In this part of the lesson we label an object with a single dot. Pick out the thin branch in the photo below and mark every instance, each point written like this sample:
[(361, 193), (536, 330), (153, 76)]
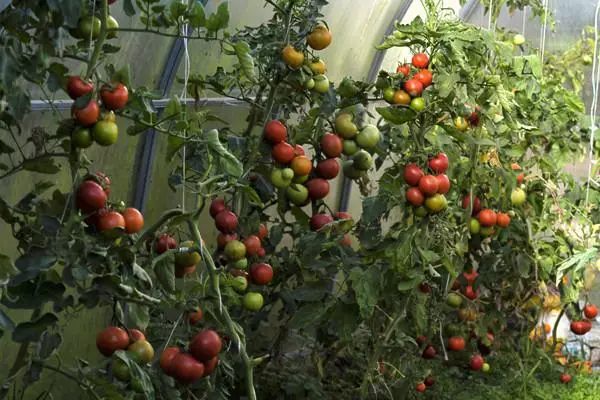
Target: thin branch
[(157, 32)]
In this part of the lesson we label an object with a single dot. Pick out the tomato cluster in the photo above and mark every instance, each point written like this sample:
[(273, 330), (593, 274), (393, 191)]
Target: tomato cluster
[(583, 326), (411, 87), (319, 39), (201, 359), (427, 192), (92, 199), (236, 251), (319, 221), (485, 220)]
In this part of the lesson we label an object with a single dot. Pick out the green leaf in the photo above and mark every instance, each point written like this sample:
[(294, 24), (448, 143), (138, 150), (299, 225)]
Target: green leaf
[(18, 103), (142, 275), (345, 319), (128, 8), (48, 344), (197, 15), (177, 8), (308, 314), (32, 331), (409, 284), (39, 259), (228, 161), (71, 11), (138, 374), (366, 286), (396, 115), (122, 75), (373, 208), (174, 144), (4, 148), (242, 51), (138, 316), (42, 165), (165, 274), (253, 196), (311, 292), (7, 267), (220, 19), (302, 218)]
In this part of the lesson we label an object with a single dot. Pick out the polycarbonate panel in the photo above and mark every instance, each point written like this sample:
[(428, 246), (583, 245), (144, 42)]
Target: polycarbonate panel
[(357, 27)]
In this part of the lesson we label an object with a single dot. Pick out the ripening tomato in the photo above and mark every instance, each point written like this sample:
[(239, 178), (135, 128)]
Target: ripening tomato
[(283, 153), (135, 335), (429, 381), (319, 38), (141, 351), (292, 57), (88, 115), (112, 339), (107, 221), (420, 60), (429, 353), (421, 387), (164, 242), (429, 185), (487, 217), (476, 203), (114, 96), (77, 87), (565, 378), (134, 220), (210, 366), (456, 343), (262, 231), (90, 197), (388, 94), (413, 87), (275, 132), (331, 145), (301, 165), (520, 178), (415, 197), (477, 362), (186, 369), (503, 220), (166, 359), (206, 345), (401, 97), (318, 221), (252, 244), (590, 311), (424, 76), (195, 317), (403, 69), (261, 274), (469, 292), (443, 183), (412, 174)]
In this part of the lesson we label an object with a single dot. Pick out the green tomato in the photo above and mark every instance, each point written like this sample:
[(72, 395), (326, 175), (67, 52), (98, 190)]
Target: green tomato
[(309, 84), (253, 301), (486, 367), (587, 60), (436, 203), (105, 133), (87, 26), (368, 137), (417, 104), (454, 300), (287, 173), (345, 127), (518, 39), (239, 284), (321, 84), (297, 194), (82, 138), (420, 211), (300, 179), (235, 250), (141, 351), (362, 160), (136, 386), (242, 263), (351, 172), (388, 95), (487, 231), (278, 180), (120, 370), (518, 197), (112, 23), (349, 147), (474, 226)]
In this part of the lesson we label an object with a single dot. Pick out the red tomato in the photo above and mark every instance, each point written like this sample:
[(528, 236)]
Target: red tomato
[(134, 220), (328, 169), (164, 242), (90, 197), (421, 387), (299, 150), (166, 359), (470, 277), (424, 76), (428, 185), (565, 378), (210, 366), (318, 221), (415, 197), (101, 179), (421, 340), (110, 220), (114, 97), (429, 352), (487, 217), (476, 204), (283, 153), (226, 221), (439, 164), (403, 69), (420, 60), (77, 87), (590, 311), (112, 339), (205, 345), (469, 292), (195, 317), (477, 362), (216, 206), (429, 381), (224, 238), (88, 115), (331, 145), (261, 274), (413, 87), (456, 343), (275, 132), (503, 220), (186, 369), (520, 178), (581, 327), (262, 231), (135, 335), (443, 183), (412, 174), (261, 253), (252, 244), (317, 188)]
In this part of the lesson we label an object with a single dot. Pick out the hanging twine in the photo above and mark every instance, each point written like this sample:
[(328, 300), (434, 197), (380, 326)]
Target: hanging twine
[(594, 106)]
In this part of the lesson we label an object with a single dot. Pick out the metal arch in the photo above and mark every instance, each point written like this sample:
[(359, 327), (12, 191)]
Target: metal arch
[(467, 10), (372, 75), (62, 105)]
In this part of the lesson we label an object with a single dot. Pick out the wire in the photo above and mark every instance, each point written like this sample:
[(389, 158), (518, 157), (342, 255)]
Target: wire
[(594, 105), (186, 74), (543, 32)]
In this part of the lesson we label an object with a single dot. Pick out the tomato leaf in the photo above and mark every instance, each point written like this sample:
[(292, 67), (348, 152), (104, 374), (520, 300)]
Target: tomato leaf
[(197, 15), (242, 52), (48, 344), (32, 331), (228, 161), (220, 19), (128, 8), (138, 315), (366, 286), (396, 115), (308, 314), (138, 374), (177, 9), (301, 217), (408, 284)]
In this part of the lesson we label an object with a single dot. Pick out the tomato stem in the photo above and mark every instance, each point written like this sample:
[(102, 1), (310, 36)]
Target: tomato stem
[(101, 38)]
